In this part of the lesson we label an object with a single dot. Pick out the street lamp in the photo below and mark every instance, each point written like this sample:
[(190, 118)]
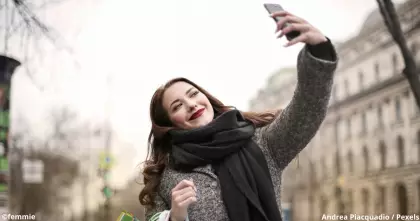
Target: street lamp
[(8, 66)]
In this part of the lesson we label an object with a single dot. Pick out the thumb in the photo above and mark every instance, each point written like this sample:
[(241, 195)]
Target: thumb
[(194, 187)]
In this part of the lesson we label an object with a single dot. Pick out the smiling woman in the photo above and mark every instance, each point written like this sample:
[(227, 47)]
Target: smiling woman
[(211, 162), (188, 107)]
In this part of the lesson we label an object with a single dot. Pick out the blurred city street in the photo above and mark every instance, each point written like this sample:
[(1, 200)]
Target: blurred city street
[(77, 76)]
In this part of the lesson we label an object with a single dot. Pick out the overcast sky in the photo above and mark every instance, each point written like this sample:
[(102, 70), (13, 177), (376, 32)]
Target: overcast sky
[(227, 46)]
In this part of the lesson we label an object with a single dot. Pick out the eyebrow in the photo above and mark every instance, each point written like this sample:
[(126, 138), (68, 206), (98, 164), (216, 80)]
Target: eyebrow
[(176, 100)]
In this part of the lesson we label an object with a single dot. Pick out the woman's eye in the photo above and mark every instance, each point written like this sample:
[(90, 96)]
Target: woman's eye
[(177, 107), (195, 93)]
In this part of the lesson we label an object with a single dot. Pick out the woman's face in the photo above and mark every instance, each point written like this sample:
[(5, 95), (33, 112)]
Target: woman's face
[(186, 106)]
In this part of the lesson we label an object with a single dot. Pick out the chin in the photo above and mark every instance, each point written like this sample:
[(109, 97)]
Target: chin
[(205, 119), (203, 122)]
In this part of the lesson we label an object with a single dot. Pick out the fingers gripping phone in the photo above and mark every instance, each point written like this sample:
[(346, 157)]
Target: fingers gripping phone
[(271, 8)]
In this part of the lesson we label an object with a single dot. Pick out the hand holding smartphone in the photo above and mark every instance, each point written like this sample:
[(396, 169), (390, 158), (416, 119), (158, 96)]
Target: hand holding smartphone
[(272, 8)]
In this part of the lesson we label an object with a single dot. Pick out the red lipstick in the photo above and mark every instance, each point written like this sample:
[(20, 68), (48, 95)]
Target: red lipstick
[(197, 114)]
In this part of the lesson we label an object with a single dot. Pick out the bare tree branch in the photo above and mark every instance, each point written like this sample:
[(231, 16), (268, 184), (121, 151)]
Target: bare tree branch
[(28, 19), (410, 71), (32, 20), (6, 21), (25, 41), (386, 16), (398, 34)]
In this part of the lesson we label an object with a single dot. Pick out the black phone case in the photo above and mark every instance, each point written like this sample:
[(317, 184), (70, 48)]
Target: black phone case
[(271, 8)]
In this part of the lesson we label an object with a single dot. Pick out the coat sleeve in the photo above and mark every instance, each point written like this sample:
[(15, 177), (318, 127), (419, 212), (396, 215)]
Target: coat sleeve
[(156, 213), (292, 130), (161, 212)]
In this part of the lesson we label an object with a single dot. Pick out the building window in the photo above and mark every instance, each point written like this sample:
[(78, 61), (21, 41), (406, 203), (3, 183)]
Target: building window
[(312, 174), (400, 151), (340, 202), (324, 168), (364, 123), (361, 80), (416, 107), (395, 63), (365, 198), (398, 113), (377, 71), (350, 159), (337, 131), (324, 205), (312, 205), (382, 153), (334, 93), (350, 200), (348, 128), (337, 164), (381, 199), (366, 159), (418, 146), (346, 87), (380, 117), (402, 198), (414, 48), (418, 193)]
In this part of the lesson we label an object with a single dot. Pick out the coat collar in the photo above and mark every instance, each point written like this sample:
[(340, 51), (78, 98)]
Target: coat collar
[(208, 170)]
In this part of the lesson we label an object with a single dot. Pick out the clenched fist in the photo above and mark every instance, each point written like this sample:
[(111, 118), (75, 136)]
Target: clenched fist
[(183, 195)]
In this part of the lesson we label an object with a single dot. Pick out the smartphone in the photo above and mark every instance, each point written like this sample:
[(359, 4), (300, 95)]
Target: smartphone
[(271, 8)]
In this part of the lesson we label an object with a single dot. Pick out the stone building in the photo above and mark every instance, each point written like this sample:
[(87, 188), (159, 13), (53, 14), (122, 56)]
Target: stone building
[(365, 158), (277, 92)]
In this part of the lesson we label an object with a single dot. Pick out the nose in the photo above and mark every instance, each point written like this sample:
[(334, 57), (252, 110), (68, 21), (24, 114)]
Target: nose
[(191, 106)]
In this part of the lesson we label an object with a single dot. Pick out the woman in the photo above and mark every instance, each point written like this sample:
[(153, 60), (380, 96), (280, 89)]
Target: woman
[(212, 162)]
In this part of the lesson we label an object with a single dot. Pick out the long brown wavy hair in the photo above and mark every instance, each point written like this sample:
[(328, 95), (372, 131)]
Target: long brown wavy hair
[(158, 144)]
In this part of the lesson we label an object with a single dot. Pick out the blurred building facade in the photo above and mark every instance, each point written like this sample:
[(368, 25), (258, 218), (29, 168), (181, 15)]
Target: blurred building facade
[(277, 92), (365, 158)]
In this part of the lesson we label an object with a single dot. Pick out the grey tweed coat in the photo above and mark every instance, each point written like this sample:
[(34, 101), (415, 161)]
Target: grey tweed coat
[(280, 141)]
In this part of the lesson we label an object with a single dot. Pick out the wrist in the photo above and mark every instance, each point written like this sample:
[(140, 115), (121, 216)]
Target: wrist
[(175, 219), (171, 217)]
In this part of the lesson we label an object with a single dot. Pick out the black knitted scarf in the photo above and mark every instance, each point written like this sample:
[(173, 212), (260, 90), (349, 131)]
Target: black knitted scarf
[(226, 143)]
